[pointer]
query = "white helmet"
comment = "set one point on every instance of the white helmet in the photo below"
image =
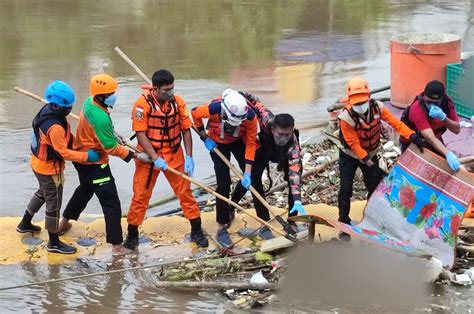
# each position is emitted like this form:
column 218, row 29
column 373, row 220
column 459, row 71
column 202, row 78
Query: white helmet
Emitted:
column 235, row 107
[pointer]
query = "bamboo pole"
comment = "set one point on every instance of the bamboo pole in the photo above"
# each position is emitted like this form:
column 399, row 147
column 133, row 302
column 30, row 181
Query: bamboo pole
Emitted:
column 215, row 285
column 466, row 160
column 219, row 153
column 75, row 116
column 40, row 99
column 219, row 196
column 107, row 272
column 132, row 64
column 239, row 175
column 204, row 187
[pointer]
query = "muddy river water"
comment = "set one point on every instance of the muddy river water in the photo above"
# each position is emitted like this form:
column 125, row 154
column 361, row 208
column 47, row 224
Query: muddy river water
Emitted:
column 296, row 55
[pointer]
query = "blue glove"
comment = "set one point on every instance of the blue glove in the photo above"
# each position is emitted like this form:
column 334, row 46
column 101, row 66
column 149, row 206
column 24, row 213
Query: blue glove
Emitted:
column 210, row 144
column 298, row 207
column 92, row 155
column 160, row 163
column 437, row 113
column 453, row 161
column 246, row 180
column 189, row 166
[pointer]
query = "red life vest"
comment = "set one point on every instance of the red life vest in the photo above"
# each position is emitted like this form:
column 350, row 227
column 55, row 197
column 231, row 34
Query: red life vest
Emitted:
column 164, row 130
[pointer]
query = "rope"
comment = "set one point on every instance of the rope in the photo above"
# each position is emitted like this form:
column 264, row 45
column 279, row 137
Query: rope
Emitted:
column 104, row 273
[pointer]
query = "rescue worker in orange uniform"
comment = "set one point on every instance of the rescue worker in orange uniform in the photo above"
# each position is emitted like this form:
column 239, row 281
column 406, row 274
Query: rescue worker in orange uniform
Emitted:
column 232, row 128
column 161, row 120
column 360, row 124
column 95, row 131
column 52, row 144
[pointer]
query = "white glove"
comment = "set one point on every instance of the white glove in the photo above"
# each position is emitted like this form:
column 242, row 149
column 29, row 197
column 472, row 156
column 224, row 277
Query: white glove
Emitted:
column 120, row 139
column 143, row 157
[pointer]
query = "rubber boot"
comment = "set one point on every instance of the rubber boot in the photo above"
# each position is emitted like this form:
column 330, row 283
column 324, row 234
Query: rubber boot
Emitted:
column 25, row 224
column 197, row 235
column 131, row 242
column 56, row 246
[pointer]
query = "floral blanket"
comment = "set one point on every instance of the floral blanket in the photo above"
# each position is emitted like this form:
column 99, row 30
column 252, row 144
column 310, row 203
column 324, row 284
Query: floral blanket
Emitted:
column 417, row 209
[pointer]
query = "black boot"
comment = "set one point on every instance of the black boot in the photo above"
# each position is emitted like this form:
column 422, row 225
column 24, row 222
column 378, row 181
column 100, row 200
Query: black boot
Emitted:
column 25, row 224
column 131, row 242
column 197, row 235
column 56, row 246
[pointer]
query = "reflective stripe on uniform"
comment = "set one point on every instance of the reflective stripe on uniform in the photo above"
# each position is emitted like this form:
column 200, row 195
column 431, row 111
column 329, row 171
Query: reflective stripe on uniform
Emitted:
column 101, row 180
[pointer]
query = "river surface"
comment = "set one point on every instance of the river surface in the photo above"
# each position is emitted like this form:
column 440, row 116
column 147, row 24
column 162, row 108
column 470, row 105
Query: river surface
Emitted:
column 295, row 55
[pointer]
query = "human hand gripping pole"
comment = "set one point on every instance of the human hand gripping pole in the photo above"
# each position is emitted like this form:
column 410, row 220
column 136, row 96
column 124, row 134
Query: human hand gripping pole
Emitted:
column 160, row 163
column 246, row 180
column 215, row 150
column 210, row 144
column 120, row 138
column 92, row 155
column 189, row 166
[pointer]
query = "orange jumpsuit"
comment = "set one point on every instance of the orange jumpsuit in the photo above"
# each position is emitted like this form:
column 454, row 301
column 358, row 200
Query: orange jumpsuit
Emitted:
column 149, row 116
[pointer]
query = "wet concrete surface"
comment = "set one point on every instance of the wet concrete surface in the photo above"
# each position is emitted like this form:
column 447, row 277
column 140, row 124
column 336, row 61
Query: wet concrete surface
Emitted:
column 295, row 55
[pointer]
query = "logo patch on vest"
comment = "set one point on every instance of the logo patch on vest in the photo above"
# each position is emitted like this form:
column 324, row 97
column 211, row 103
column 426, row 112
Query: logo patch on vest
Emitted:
column 139, row 113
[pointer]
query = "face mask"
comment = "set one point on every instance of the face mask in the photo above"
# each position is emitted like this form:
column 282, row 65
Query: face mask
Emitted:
column 281, row 140
column 168, row 95
column 64, row 111
column 361, row 109
column 229, row 128
column 110, row 101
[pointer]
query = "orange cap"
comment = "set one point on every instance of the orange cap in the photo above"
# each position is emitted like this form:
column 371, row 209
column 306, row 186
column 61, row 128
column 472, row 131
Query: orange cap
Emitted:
column 358, row 90
column 102, row 84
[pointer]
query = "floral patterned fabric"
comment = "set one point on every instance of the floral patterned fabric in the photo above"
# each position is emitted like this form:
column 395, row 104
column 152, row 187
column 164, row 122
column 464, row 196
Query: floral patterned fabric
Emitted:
column 417, row 208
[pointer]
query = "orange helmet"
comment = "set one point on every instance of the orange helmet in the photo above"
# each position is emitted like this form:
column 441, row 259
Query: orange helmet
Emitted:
column 102, row 84
column 357, row 90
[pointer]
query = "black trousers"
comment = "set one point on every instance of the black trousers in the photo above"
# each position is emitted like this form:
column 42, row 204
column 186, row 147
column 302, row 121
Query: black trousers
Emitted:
column 261, row 161
column 347, row 169
column 223, row 179
column 97, row 179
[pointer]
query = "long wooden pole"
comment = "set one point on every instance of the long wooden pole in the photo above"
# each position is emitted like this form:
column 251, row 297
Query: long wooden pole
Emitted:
column 219, row 196
column 238, row 173
column 40, row 99
column 201, row 185
column 132, row 64
column 108, row 272
column 75, row 116
column 219, row 153
column 215, row 285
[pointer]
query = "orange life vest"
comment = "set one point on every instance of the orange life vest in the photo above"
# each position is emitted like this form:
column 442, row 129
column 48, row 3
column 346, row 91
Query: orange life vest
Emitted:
column 368, row 131
column 164, row 130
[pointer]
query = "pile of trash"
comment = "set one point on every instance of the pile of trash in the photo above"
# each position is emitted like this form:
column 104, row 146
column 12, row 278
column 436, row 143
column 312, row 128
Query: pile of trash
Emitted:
column 317, row 186
column 323, row 186
column 247, row 279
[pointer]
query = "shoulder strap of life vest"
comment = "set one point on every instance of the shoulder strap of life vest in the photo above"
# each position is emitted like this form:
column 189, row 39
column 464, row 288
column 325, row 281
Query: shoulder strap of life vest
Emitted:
column 41, row 124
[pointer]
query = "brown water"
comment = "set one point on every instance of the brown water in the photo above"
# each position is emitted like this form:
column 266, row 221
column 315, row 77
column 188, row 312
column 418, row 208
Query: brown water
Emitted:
column 295, row 55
